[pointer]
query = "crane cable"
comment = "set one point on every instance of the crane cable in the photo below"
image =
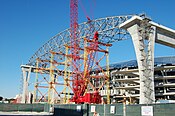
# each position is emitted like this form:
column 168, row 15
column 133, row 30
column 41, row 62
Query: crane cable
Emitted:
column 85, row 11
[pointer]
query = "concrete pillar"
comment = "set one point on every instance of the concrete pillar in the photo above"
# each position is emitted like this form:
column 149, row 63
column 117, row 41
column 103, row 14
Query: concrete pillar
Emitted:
column 26, row 76
column 145, row 59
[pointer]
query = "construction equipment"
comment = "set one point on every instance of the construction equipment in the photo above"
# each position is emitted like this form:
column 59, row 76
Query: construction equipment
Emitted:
column 84, row 85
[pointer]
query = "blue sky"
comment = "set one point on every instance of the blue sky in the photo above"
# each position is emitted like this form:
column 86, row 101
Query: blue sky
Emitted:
column 25, row 25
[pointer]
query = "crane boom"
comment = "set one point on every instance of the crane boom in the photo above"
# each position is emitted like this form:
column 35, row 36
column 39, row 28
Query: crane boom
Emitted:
column 74, row 48
column 81, row 75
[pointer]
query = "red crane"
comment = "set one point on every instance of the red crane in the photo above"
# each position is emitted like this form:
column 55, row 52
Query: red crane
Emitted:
column 76, row 83
column 79, row 83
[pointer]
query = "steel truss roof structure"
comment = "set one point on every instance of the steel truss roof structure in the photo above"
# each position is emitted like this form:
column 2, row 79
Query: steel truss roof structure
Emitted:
column 108, row 29
column 53, row 56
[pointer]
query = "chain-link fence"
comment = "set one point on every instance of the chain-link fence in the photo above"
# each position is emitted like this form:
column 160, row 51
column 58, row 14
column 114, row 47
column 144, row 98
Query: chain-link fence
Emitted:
column 94, row 109
column 115, row 110
column 88, row 110
column 157, row 109
column 24, row 107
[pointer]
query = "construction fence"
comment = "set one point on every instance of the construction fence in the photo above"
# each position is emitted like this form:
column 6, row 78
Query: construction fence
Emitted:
column 88, row 110
column 24, row 107
column 115, row 110
column 164, row 109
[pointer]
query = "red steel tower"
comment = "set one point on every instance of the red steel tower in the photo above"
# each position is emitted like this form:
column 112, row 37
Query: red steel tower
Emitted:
column 74, row 47
column 81, row 78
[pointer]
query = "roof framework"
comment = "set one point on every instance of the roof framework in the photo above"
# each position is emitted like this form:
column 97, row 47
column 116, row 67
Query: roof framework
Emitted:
column 108, row 29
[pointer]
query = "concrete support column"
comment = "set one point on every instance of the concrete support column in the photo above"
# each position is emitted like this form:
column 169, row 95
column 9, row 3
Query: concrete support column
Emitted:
column 144, row 50
column 26, row 71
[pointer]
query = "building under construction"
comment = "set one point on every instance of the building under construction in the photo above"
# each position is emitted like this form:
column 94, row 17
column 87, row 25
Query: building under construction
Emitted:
column 65, row 70
column 125, row 81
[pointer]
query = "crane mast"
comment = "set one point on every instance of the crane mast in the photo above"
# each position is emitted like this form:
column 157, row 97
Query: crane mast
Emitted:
column 77, row 81
column 81, row 77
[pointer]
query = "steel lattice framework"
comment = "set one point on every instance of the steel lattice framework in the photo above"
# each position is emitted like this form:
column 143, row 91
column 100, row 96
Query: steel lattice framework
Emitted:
column 108, row 29
column 51, row 62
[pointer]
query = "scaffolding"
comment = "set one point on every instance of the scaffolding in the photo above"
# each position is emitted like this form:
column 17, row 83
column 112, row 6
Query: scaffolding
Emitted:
column 53, row 79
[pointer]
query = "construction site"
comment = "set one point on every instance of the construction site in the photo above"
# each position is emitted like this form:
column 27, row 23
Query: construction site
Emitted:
column 71, row 72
